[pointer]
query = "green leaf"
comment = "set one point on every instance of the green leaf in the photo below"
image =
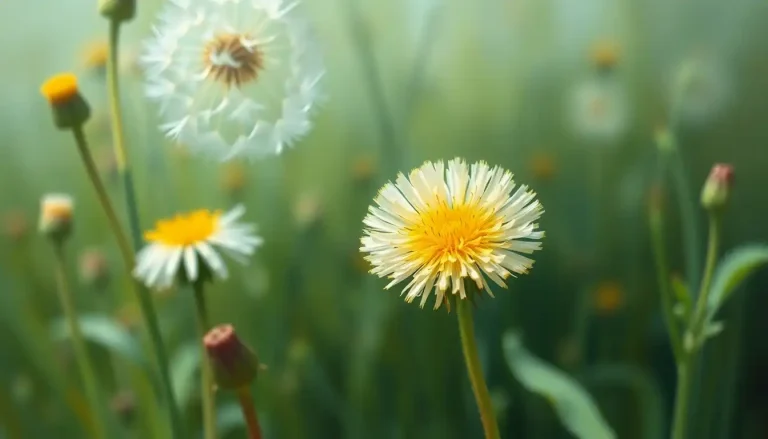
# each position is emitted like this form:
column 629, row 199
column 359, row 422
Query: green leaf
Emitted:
column 573, row 405
column 103, row 331
column 184, row 366
column 734, row 269
column 682, row 295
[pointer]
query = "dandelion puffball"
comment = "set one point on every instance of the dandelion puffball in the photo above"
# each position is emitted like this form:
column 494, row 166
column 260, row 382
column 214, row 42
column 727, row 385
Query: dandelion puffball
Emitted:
column 232, row 77
column 442, row 224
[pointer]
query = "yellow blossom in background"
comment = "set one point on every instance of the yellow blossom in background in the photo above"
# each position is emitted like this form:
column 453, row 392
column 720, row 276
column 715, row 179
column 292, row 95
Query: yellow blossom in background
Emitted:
column 363, row 168
column 441, row 225
column 543, row 166
column 56, row 212
column 94, row 56
column 604, row 55
column 307, row 210
column 233, row 178
column 609, row 297
column 15, row 225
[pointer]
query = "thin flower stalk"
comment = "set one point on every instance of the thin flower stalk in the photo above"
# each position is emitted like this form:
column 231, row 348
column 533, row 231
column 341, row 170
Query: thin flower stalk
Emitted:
column 207, row 388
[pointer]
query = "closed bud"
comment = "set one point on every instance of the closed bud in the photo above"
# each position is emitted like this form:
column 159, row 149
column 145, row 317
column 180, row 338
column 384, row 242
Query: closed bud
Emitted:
column 94, row 269
column 118, row 10
column 56, row 216
column 717, row 188
column 70, row 109
column 123, row 405
column 15, row 225
column 235, row 365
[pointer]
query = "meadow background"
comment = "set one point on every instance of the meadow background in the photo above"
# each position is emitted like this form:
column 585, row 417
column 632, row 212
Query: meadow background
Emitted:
column 407, row 81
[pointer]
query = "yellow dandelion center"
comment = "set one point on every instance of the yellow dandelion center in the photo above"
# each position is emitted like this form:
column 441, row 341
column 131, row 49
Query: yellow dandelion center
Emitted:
column 231, row 61
column 185, row 229
column 460, row 234
column 60, row 89
column 57, row 211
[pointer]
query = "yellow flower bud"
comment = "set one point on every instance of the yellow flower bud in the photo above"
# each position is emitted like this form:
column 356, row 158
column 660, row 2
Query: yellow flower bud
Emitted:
column 69, row 107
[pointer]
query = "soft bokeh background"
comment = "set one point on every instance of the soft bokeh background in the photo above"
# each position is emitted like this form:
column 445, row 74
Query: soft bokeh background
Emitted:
column 512, row 82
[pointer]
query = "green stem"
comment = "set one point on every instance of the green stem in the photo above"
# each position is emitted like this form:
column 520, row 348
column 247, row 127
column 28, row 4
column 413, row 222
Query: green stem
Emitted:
column 475, row 370
column 686, row 202
column 206, row 375
column 695, row 334
column 145, row 301
column 121, row 158
column 662, row 272
column 85, row 367
column 249, row 413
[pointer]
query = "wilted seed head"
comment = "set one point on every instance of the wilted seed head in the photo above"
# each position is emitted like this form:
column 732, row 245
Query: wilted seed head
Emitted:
column 123, row 405
column 234, row 364
column 94, row 268
column 717, row 188
column 308, row 210
column 15, row 225
column 70, row 109
column 56, row 216
column 118, row 10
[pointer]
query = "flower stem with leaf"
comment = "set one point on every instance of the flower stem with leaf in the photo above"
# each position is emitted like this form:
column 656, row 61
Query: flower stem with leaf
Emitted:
column 79, row 345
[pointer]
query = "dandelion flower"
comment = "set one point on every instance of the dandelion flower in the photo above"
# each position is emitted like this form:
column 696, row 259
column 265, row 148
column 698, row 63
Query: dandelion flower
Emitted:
column 598, row 110
column 186, row 246
column 441, row 225
column 232, row 77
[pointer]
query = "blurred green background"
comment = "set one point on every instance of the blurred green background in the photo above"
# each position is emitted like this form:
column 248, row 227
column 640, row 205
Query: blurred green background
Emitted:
column 567, row 95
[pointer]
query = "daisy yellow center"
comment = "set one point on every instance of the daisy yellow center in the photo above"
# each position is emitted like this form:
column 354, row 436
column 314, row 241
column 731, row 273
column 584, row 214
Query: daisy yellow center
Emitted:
column 447, row 234
column 185, row 229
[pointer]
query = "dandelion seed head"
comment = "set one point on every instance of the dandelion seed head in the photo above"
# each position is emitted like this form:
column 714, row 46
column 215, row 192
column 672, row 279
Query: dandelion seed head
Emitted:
column 233, row 77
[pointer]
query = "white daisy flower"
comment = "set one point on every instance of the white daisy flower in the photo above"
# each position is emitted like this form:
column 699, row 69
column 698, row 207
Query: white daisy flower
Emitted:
column 187, row 244
column 598, row 110
column 440, row 226
column 232, row 77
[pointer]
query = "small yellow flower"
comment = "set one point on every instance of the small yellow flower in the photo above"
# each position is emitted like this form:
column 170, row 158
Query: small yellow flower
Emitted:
column 233, row 178
column 442, row 225
column 605, row 55
column 543, row 166
column 70, row 109
column 95, row 55
column 363, row 168
column 15, row 225
column 609, row 297
column 186, row 245
column 56, row 215
column 60, row 89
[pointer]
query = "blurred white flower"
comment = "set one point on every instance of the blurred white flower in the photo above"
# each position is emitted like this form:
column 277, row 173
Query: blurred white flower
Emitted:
column 598, row 110
column 187, row 245
column 232, row 77
column 701, row 89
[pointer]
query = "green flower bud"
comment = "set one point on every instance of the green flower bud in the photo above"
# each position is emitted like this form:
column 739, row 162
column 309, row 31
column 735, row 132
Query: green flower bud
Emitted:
column 118, row 10
column 56, row 216
column 717, row 188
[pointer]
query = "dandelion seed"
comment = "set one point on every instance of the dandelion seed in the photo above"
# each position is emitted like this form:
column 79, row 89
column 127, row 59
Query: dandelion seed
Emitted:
column 439, row 226
column 233, row 77
column 598, row 110
column 186, row 245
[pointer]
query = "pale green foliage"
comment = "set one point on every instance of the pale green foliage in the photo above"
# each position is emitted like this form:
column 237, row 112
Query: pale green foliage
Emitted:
column 105, row 332
column 573, row 405
column 734, row 269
